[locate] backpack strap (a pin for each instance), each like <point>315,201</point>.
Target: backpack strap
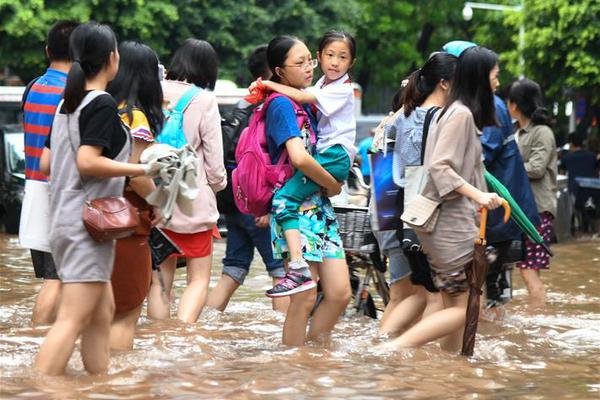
<point>26,92</point>
<point>185,99</point>
<point>428,118</point>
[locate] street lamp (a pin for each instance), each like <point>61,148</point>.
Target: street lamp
<point>467,13</point>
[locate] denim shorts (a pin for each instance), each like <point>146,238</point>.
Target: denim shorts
<point>398,263</point>
<point>243,236</point>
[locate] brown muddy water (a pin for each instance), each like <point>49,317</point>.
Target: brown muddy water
<point>549,353</point>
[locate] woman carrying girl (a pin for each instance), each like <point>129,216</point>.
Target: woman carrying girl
<point>195,63</point>
<point>333,98</point>
<point>538,148</point>
<point>88,160</point>
<point>138,93</point>
<point>455,178</point>
<point>427,87</point>
<point>292,65</point>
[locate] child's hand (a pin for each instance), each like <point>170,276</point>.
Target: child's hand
<point>258,92</point>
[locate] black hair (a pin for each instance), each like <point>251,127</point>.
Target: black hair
<point>258,64</point>
<point>57,41</point>
<point>196,62</point>
<point>527,96</point>
<point>334,36</point>
<point>422,82</point>
<point>137,83</point>
<point>576,139</point>
<point>277,52</point>
<point>471,85</point>
<point>90,47</point>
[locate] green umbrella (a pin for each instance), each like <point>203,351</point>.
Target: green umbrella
<point>517,213</point>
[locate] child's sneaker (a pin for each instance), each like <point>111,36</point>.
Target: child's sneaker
<point>292,283</point>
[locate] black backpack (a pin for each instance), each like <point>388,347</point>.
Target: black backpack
<point>232,125</point>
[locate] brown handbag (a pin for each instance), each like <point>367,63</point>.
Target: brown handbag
<point>110,218</point>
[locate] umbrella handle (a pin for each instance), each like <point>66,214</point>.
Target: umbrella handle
<point>484,215</point>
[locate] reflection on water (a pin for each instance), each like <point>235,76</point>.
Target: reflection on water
<point>552,352</point>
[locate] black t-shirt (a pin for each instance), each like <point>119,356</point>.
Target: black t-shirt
<point>100,125</point>
<point>579,163</point>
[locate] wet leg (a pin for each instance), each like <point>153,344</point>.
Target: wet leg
<point>194,297</point>
<point>78,302</point>
<point>399,291</point>
<point>296,320</point>
<point>405,313</point>
<point>122,329</point>
<point>159,301</point>
<point>46,304</point>
<point>335,283</point>
<point>535,286</point>
<point>95,338</point>
<point>221,294</point>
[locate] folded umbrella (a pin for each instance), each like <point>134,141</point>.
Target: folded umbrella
<point>477,272</point>
<point>517,213</point>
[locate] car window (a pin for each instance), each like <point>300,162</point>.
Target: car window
<point>15,152</point>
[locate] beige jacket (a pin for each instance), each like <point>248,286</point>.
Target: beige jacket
<point>202,127</point>
<point>538,148</point>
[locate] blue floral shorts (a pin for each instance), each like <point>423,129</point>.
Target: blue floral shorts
<point>319,232</point>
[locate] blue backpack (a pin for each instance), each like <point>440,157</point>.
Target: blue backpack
<point>172,131</point>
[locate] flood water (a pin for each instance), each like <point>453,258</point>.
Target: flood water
<point>549,353</point>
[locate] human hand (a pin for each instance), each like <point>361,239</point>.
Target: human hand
<point>262,222</point>
<point>157,216</point>
<point>333,190</point>
<point>490,201</point>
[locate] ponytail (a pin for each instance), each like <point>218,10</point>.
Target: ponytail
<point>422,82</point>
<point>412,97</point>
<point>90,47</point>
<point>75,88</point>
<point>540,116</point>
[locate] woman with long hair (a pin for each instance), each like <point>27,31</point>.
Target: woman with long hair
<point>194,65</point>
<point>538,147</point>
<point>138,93</point>
<point>88,160</point>
<point>455,178</point>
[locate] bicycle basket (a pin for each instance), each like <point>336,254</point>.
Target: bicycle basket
<point>355,224</point>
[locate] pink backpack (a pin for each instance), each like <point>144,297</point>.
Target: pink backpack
<point>256,178</point>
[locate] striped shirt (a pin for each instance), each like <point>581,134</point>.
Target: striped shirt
<point>39,109</point>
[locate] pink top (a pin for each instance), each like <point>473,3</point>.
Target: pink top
<point>202,127</point>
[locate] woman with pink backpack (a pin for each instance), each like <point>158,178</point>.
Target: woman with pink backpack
<point>288,134</point>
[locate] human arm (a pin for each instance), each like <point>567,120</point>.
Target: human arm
<point>212,142</point>
<point>301,160</point>
<point>486,200</point>
<point>91,162</point>
<point>541,151</point>
<point>299,96</point>
<point>45,161</point>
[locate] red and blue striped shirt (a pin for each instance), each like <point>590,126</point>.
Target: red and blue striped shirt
<point>38,114</point>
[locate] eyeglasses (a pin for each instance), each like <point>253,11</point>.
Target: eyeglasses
<point>308,65</point>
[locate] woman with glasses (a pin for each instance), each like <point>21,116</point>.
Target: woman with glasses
<point>292,66</point>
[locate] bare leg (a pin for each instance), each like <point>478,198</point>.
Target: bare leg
<point>399,291</point>
<point>408,311</point>
<point>336,295</point>
<point>159,303</point>
<point>294,242</point>
<point>46,304</point>
<point>194,297</point>
<point>535,286</point>
<point>95,338</point>
<point>219,297</point>
<point>296,320</point>
<point>122,329</point>
<point>448,323</point>
<point>434,303</point>
<point>77,304</point>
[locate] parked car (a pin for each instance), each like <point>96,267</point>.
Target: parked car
<point>12,176</point>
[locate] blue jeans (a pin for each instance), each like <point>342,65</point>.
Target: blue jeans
<point>242,237</point>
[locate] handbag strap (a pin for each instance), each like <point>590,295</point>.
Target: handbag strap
<point>428,118</point>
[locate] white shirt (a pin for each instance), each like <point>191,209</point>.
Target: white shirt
<point>335,105</point>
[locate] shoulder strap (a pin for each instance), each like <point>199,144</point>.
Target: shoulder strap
<point>26,92</point>
<point>186,99</point>
<point>428,118</point>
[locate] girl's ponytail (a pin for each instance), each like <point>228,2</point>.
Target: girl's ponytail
<point>411,95</point>
<point>75,88</point>
<point>540,116</point>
